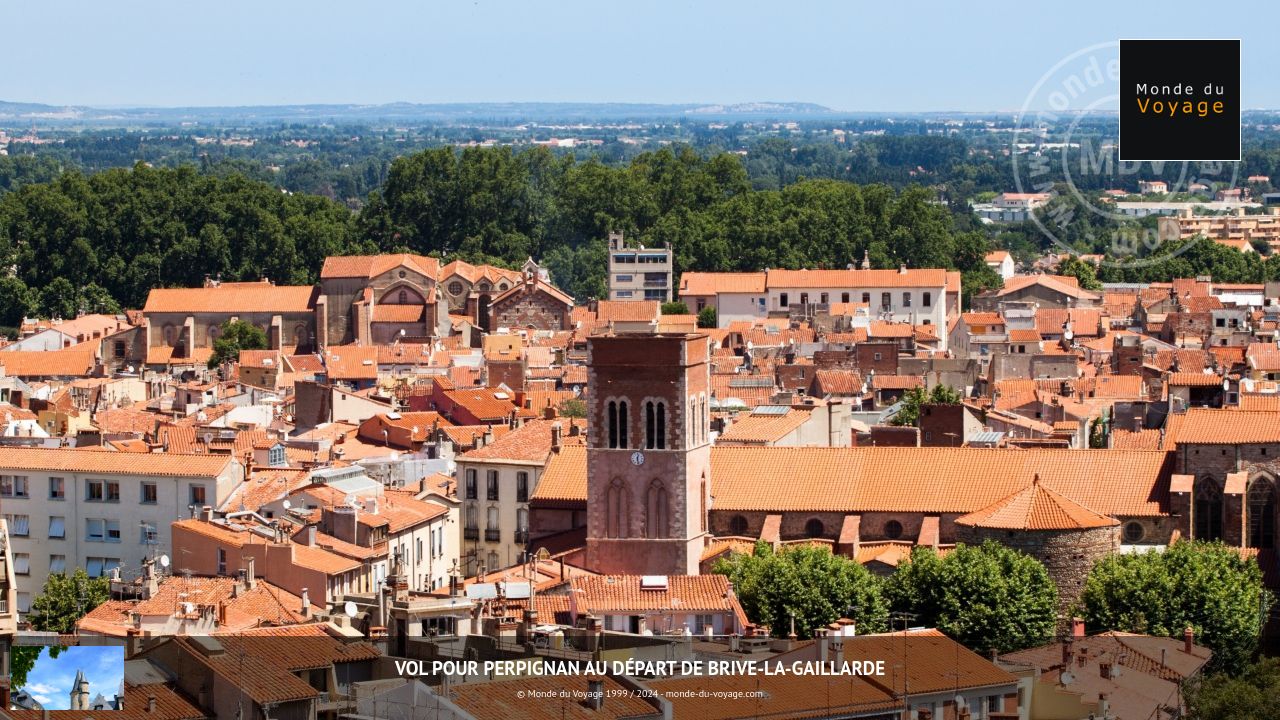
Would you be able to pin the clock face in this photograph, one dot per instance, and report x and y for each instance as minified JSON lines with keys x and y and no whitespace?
{"x":637,"y":458}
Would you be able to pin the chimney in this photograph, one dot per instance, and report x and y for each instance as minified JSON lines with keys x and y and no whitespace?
{"x":151,"y":703}
{"x":1188,"y":639}
{"x":555,"y":437}
{"x":206,"y":513}
{"x":595,"y":694}
{"x":311,"y":536}
{"x":306,"y":604}
{"x":549,"y":412}
{"x":373,"y":506}
{"x":821,"y":635}
{"x":250,"y":580}
{"x":1077,"y":627}
{"x":1104,"y":707}
{"x":222,"y":614}
{"x":902,"y":269}
{"x":1067,"y":652}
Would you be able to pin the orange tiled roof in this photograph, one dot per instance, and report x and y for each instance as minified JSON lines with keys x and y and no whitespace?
{"x":1194,"y":379}
{"x":886,"y":479}
{"x":351,"y":362}
{"x":838,"y":382}
{"x":1036,"y":507}
{"x":1259,"y":403}
{"x":75,"y":361}
{"x":927,"y":277}
{"x":504,"y":700}
{"x":367,"y":266}
{"x":392,"y":313}
{"x":247,"y":297}
{"x":709,"y":283}
{"x":628,"y":310}
{"x":762,"y":429}
{"x":1065,"y":285}
{"x":606,"y":594}
{"x":83,"y":461}
{"x":482,"y":403}
{"x":531,"y":442}
{"x":896,"y":382}
{"x":1135,"y":440}
{"x":1209,"y":426}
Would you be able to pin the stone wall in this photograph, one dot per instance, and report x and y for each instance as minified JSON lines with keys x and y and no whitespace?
{"x":1068,"y":555}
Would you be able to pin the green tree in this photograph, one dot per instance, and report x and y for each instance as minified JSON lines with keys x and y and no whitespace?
{"x":1085,"y":272}
{"x":1208,"y":587}
{"x":236,"y":335}
{"x":16,"y":301}
{"x":913,"y":399}
{"x":573,"y":408}
{"x":707,"y":318}
{"x":1252,"y":695}
{"x":809,"y":585}
{"x":987,"y":597}
{"x":59,"y":299}
{"x":675,"y":308}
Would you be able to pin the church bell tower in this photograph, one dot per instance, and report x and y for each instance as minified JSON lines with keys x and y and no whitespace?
{"x":648,"y":453}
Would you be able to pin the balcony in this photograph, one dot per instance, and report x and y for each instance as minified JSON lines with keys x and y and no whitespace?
{"x":492,"y":535}
{"x":522,"y":537}
{"x":471,"y":533}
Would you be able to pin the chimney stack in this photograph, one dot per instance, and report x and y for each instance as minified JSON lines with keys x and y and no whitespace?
{"x":595,"y":694}
{"x":306,"y":604}
{"x":250,"y":579}
{"x":206,"y":513}
{"x":1077,"y":627}
{"x":555,"y":437}
{"x":1188,"y":639}
{"x":151,"y":704}
{"x":311,"y":535}
{"x":1067,"y":652}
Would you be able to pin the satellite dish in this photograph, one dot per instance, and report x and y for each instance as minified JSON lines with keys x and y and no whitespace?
{"x":350,"y":609}
{"x":164,"y":561}
{"x":187,"y":608}
{"x":286,"y":504}
{"x":1068,"y":334}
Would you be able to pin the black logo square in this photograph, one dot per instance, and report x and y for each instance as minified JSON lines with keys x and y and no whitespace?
{"x":1180,"y":100}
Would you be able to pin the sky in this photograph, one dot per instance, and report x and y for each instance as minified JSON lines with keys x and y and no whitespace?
{"x":850,"y":56}
{"x":49,"y":682}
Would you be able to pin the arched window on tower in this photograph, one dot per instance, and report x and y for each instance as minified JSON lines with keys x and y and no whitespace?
{"x":657,"y":516}
{"x":1262,"y":512}
{"x":1208,"y":509}
{"x":611,"y":410}
{"x":616,"y":510}
{"x":624,"y":439}
{"x":655,"y":425}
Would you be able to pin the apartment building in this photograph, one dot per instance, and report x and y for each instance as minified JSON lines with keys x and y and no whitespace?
{"x":639,"y":273}
{"x":100,"y":510}
{"x":1235,"y":229}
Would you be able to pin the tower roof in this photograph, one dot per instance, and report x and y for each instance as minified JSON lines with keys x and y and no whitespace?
{"x":1036,"y":507}
{"x":80,"y":679}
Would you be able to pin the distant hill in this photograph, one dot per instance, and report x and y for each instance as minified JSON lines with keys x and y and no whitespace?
{"x":18,"y":114}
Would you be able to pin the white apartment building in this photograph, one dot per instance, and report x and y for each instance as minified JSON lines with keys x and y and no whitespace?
{"x":495,"y":483}
{"x":69,"y":509}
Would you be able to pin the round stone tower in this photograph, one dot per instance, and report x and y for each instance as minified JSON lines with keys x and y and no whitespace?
{"x":1065,"y":536}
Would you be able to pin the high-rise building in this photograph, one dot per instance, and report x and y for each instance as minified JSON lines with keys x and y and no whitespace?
{"x":639,"y":273}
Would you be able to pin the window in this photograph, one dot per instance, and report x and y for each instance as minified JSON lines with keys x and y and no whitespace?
{"x":927,"y":300}
{"x":21,"y":564}
{"x":655,"y":425}
{"x":1261,"y":509}
{"x":783,"y":300}
{"x":617,"y":523}
{"x":113,"y":491}
{"x":197,"y":494}
{"x":622,"y":278}
{"x":893,"y":529}
{"x":149,"y":535}
{"x":491,"y":484}
{"x":57,"y":564}
{"x":624,"y":293}
{"x":119,"y":348}
{"x":522,"y":487}
{"x":886,"y":300}
{"x":222,"y":561}
{"x":1208,"y":509}
{"x":14,"y":486}
{"x":276,"y":455}
{"x":822,"y":298}
{"x":419,"y":555}
{"x":657,"y":518}
{"x":814,"y":528}
{"x":471,"y":517}
{"x":57,"y":527}
{"x":844,"y":297}
{"x":19,"y":525}
{"x":617,"y":421}
{"x":148,"y":493}
{"x":866,"y":298}
{"x":906,"y":299}
{"x":737,"y":525}
{"x":113,"y":530}
{"x":93,"y":490}
{"x":57,"y":488}
{"x":493,"y":560}
{"x":804,"y":298}
{"x":1134,"y":532}
{"x":471,"y":485}
{"x":94,"y":529}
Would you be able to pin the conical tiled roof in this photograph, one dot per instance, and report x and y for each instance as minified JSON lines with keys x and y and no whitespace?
{"x":1036,"y":507}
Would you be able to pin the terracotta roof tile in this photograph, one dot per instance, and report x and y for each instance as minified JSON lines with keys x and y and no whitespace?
{"x":606,"y":594}
{"x":756,"y":429}
{"x":367,"y":266}
{"x":707,"y":283}
{"x":1036,"y":507}
{"x":1140,"y":440}
{"x":1209,"y":426}
{"x":531,"y":442}
{"x":232,"y":298}
{"x":83,"y":461}
{"x":784,"y":279}
{"x":351,"y":362}
{"x":75,"y":361}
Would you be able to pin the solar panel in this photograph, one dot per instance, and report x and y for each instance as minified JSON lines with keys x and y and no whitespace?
{"x":482,"y":591}
{"x":516,"y":590}
{"x":771,"y":410}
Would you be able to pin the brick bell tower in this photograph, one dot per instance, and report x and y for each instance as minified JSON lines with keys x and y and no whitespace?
{"x":648,"y":452}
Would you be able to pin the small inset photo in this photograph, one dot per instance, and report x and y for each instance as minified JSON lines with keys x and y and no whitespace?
{"x":52,"y":677}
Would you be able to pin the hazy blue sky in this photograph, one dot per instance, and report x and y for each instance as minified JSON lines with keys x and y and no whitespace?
{"x":878,"y":55}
